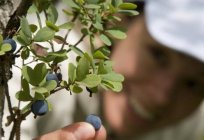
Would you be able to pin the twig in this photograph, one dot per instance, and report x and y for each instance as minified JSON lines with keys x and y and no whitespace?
{"x":65,"y":38}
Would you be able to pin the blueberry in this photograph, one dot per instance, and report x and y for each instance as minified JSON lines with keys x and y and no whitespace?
{"x":39,"y":107}
{"x":52,"y":76}
{"x":94,"y":120}
{"x":59,"y":76}
{"x":12,"y":43}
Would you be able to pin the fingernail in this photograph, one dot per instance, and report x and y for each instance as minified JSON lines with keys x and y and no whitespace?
{"x":94,"y":120}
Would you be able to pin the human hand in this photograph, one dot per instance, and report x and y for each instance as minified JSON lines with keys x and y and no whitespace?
{"x":76,"y":131}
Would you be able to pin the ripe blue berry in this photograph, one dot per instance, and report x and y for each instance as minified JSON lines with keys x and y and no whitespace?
{"x":94,"y":120}
{"x":12,"y":43}
{"x":59,"y":76}
{"x":51,"y":76}
{"x":39,"y":107}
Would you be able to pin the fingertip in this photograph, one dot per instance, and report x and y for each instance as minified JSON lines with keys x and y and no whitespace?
{"x":80,"y":131}
{"x":101,"y":133}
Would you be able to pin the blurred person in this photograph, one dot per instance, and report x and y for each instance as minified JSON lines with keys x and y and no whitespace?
{"x":162,"y":60}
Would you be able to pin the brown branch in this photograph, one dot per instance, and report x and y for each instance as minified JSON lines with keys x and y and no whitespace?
{"x":6,"y":60}
{"x":14,"y":21}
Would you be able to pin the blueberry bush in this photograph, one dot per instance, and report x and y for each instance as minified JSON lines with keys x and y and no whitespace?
{"x":93,"y":69}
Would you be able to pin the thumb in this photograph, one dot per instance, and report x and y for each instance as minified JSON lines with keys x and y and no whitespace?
{"x":76,"y":131}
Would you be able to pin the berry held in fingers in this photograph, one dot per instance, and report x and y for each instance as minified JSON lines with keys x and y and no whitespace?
{"x":95,"y":121}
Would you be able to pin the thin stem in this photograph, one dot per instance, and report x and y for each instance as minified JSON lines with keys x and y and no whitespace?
{"x":31,"y":61}
{"x":8,"y":100}
{"x":18,"y":50}
{"x":68,"y":32}
{"x":52,"y":46}
{"x":17,"y":67}
{"x":12,"y":134}
{"x":80,"y":40}
{"x":65,"y":38}
{"x":46,"y":17}
{"x":18,"y":126}
{"x":39,"y":20}
{"x":58,"y":89}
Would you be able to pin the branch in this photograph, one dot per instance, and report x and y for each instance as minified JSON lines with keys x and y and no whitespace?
{"x":6,"y":61}
{"x":14,"y":21}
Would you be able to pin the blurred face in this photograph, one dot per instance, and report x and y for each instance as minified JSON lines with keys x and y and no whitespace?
{"x":161,"y":85}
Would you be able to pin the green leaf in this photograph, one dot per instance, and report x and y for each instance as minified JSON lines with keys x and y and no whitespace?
{"x":23,"y":40}
{"x":98,"y":26}
{"x":57,"y":56}
{"x":49,"y":105}
{"x":72,"y":72}
{"x":68,"y":13}
{"x":44,"y":34}
{"x":52,"y":14}
{"x":92,"y":90}
{"x":33,"y":28}
{"x":71,"y":4}
{"x":6,"y":47}
{"x":39,"y":96}
{"x":116,"y":3}
{"x":59,"y":59}
{"x":2,"y":52}
{"x":127,"y":6}
{"x":59,"y":40}
{"x":26,"y":28}
{"x":76,"y":89}
{"x":92,"y":1}
{"x":50,"y":85}
{"x":25,"y":53}
{"x":117,"y":19}
{"x":82,"y":68}
{"x":108,"y":66}
{"x":68,"y":25}
{"x":105,"y":39}
{"x":60,"y":53}
{"x":23,"y":96}
{"x":64,"y":84}
{"x":115,"y":86}
{"x":85,"y":31}
{"x":25,"y":86}
{"x":34,"y":77}
{"x":129,"y":12}
{"x":91,"y":80}
{"x":41,"y":90}
{"x":101,"y":68}
{"x":52,"y":26}
{"x":115,"y":77}
{"x":88,"y":57}
{"x":32,"y":9}
{"x":99,"y":55}
{"x":26,"y":108}
{"x":1,"y":38}
{"x":92,"y":6}
{"x":117,"y":33}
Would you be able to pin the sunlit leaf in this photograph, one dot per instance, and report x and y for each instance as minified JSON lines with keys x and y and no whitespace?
{"x":91,"y":80}
{"x":44,"y":34}
{"x":25,"y":27}
{"x":82,"y":68}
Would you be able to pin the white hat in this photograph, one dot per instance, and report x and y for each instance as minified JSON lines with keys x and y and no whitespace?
{"x":178,"y":24}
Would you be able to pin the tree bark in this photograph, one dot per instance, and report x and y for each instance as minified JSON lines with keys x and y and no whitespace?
{"x":9,"y":23}
{"x":6,"y":7}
